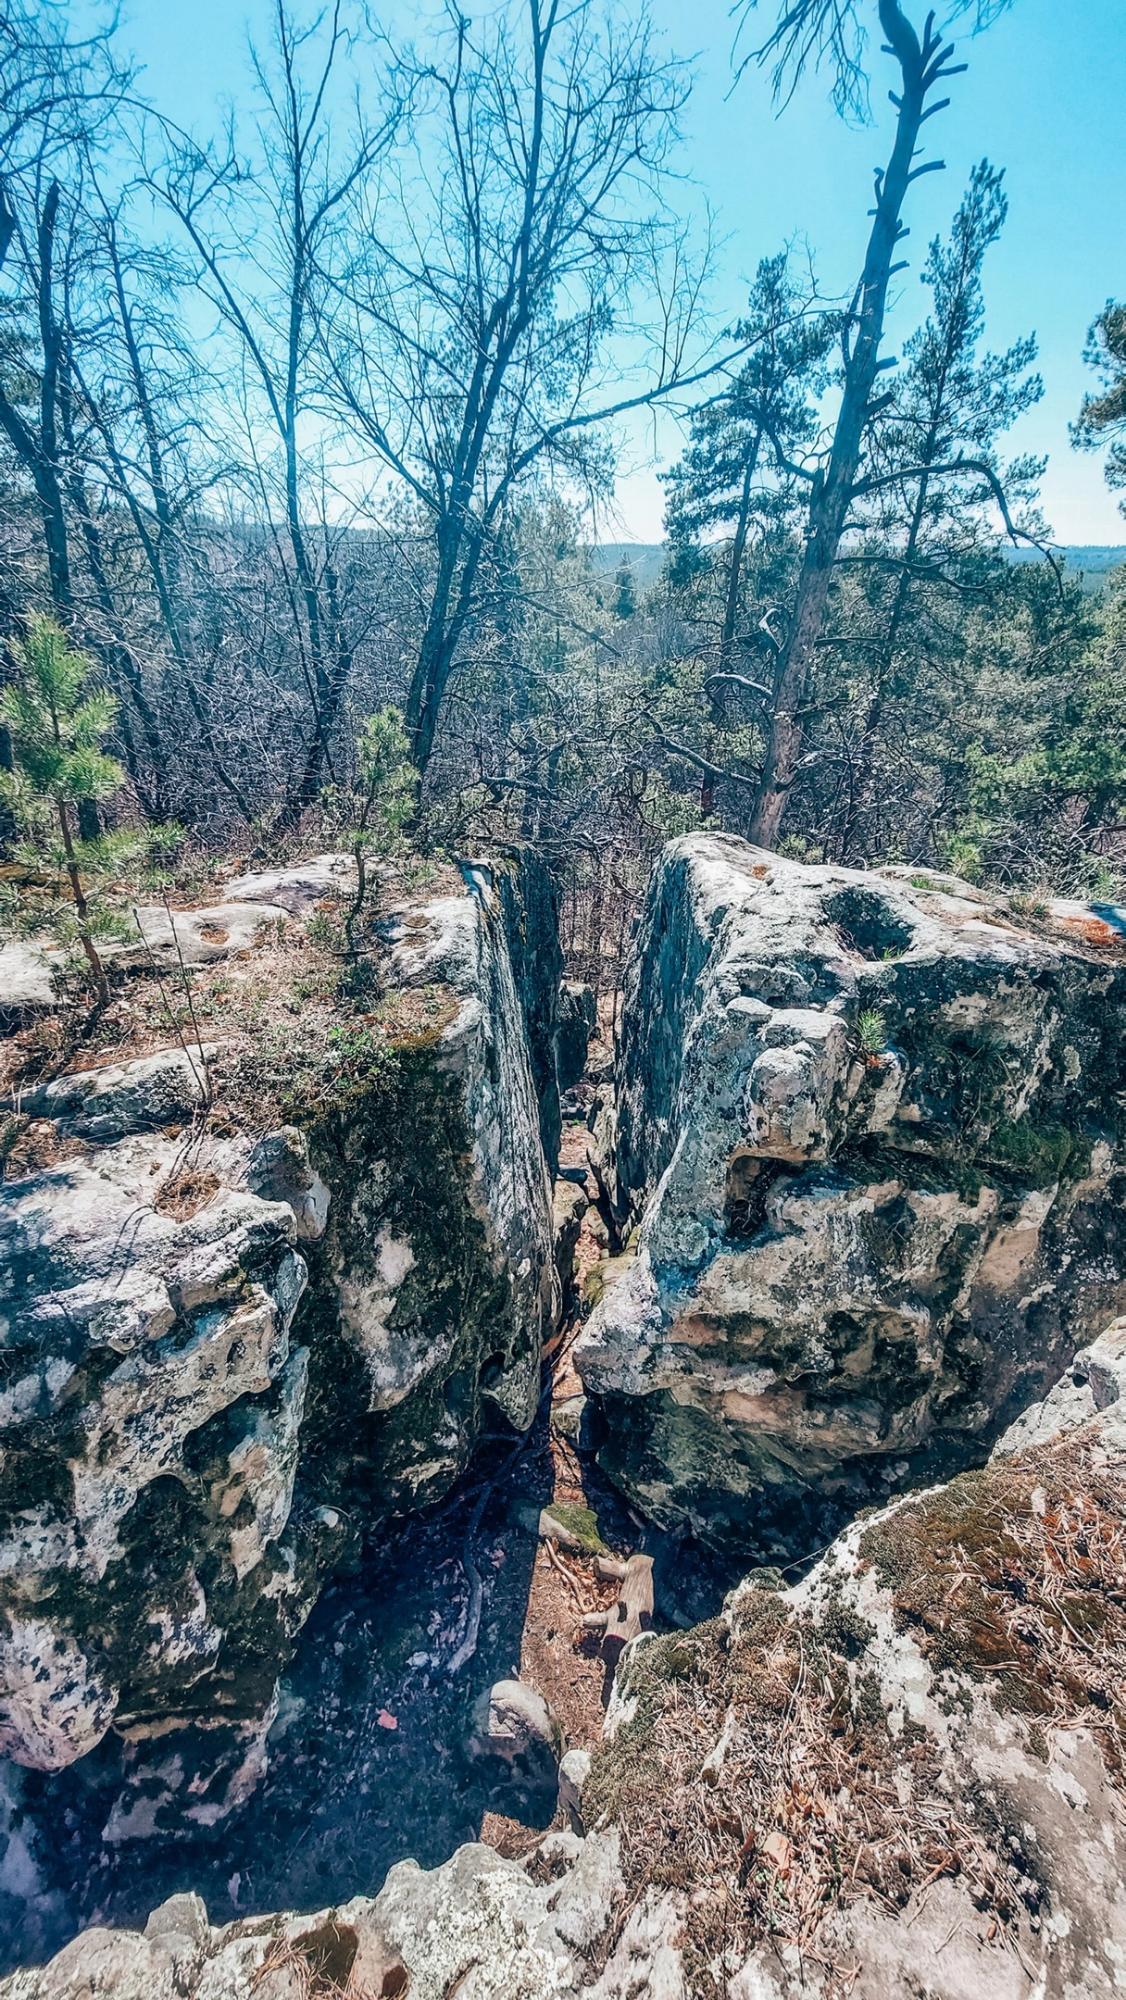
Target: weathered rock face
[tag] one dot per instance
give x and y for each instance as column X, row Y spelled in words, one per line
column 227, row 1352
column 910, row 1762
column 578, row 1021
column 869, row 1129
column 902, row 1775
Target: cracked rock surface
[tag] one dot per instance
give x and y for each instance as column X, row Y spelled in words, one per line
column 867, row 1139
column 214, row 1379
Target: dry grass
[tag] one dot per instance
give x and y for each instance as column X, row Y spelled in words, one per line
column 290, row 1028
column 1017, row 1575
column 294, row 972
column 759, row 1774
column 186, row 1191
column 328, row 1962
column 28, row 1145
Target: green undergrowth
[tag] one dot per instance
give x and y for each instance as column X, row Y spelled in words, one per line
column 326, row 1067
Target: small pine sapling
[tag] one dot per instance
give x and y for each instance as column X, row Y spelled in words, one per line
column 871, row 1031
column 58, row 720
column 386, row 793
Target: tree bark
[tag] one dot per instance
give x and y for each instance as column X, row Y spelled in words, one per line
column 921, row 64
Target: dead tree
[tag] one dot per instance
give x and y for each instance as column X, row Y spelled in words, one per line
column 924, row 62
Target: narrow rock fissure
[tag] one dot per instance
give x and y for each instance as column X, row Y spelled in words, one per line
column 369, row 1757
column 797, row 1284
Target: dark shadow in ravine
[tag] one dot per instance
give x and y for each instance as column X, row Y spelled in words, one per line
column 368, row 1759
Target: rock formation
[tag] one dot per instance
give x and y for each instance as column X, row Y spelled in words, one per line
column 578, row 1022
column 901, row 1775
column 868, row 1149
column 230, row 1350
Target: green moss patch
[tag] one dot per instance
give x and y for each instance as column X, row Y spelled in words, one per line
column 580, row 1522
column 1038, row 1153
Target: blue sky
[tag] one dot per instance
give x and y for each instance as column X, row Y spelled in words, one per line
column 1043, row 97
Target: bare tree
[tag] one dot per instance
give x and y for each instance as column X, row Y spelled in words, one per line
column 470, row 340
column 301, row 187
column 807, row 29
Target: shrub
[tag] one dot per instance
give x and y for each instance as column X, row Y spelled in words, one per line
column 59, row 722
column 871, row 1031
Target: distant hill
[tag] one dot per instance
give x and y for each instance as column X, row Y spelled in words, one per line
column 1093, row 562
column 644, row 559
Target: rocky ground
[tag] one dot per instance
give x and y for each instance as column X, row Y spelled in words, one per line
column 891, row 1765
column 901, row 1776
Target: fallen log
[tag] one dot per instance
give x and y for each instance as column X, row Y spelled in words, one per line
column 608, row 1569
column 633, row 1612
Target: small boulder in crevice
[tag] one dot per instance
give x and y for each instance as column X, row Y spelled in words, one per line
column 516, row 1734
column 576, row 1027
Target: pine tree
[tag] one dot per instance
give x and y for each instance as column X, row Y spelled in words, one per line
column 625, row 592
column 1102, row 420
column 740, row 440
column 58, row 721
column 386, row 797
column 932, row 538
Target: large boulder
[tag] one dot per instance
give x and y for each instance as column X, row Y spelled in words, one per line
column 229, row 1348
column 905, row 1770
column 868, row 1138
column 578, row 1023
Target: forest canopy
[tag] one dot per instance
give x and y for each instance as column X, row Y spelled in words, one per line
column 305, row 420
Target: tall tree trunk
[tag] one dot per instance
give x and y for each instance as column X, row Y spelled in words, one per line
column 738, row 551
column 886, row 661
column 921, row 64
column 445, row 624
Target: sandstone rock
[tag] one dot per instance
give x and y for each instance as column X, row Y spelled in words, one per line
column 933, row 1639
column 132, row 1333
column 215, row 1337
column 865, row 1129
column 101, row 1965
column 525, row 892
column 299, row 888
column 1095, row 1380
column 451, row 1182
column 569, row 1206
column 578, row 1021
column 27, row 983
column 574, row 1770
column 478, row 1926
column 195, row 937
column 121, row 1098
column 570, row 1419
column 513, row 1723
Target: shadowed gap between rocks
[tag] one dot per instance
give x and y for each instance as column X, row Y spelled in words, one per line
column 368, row 1757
